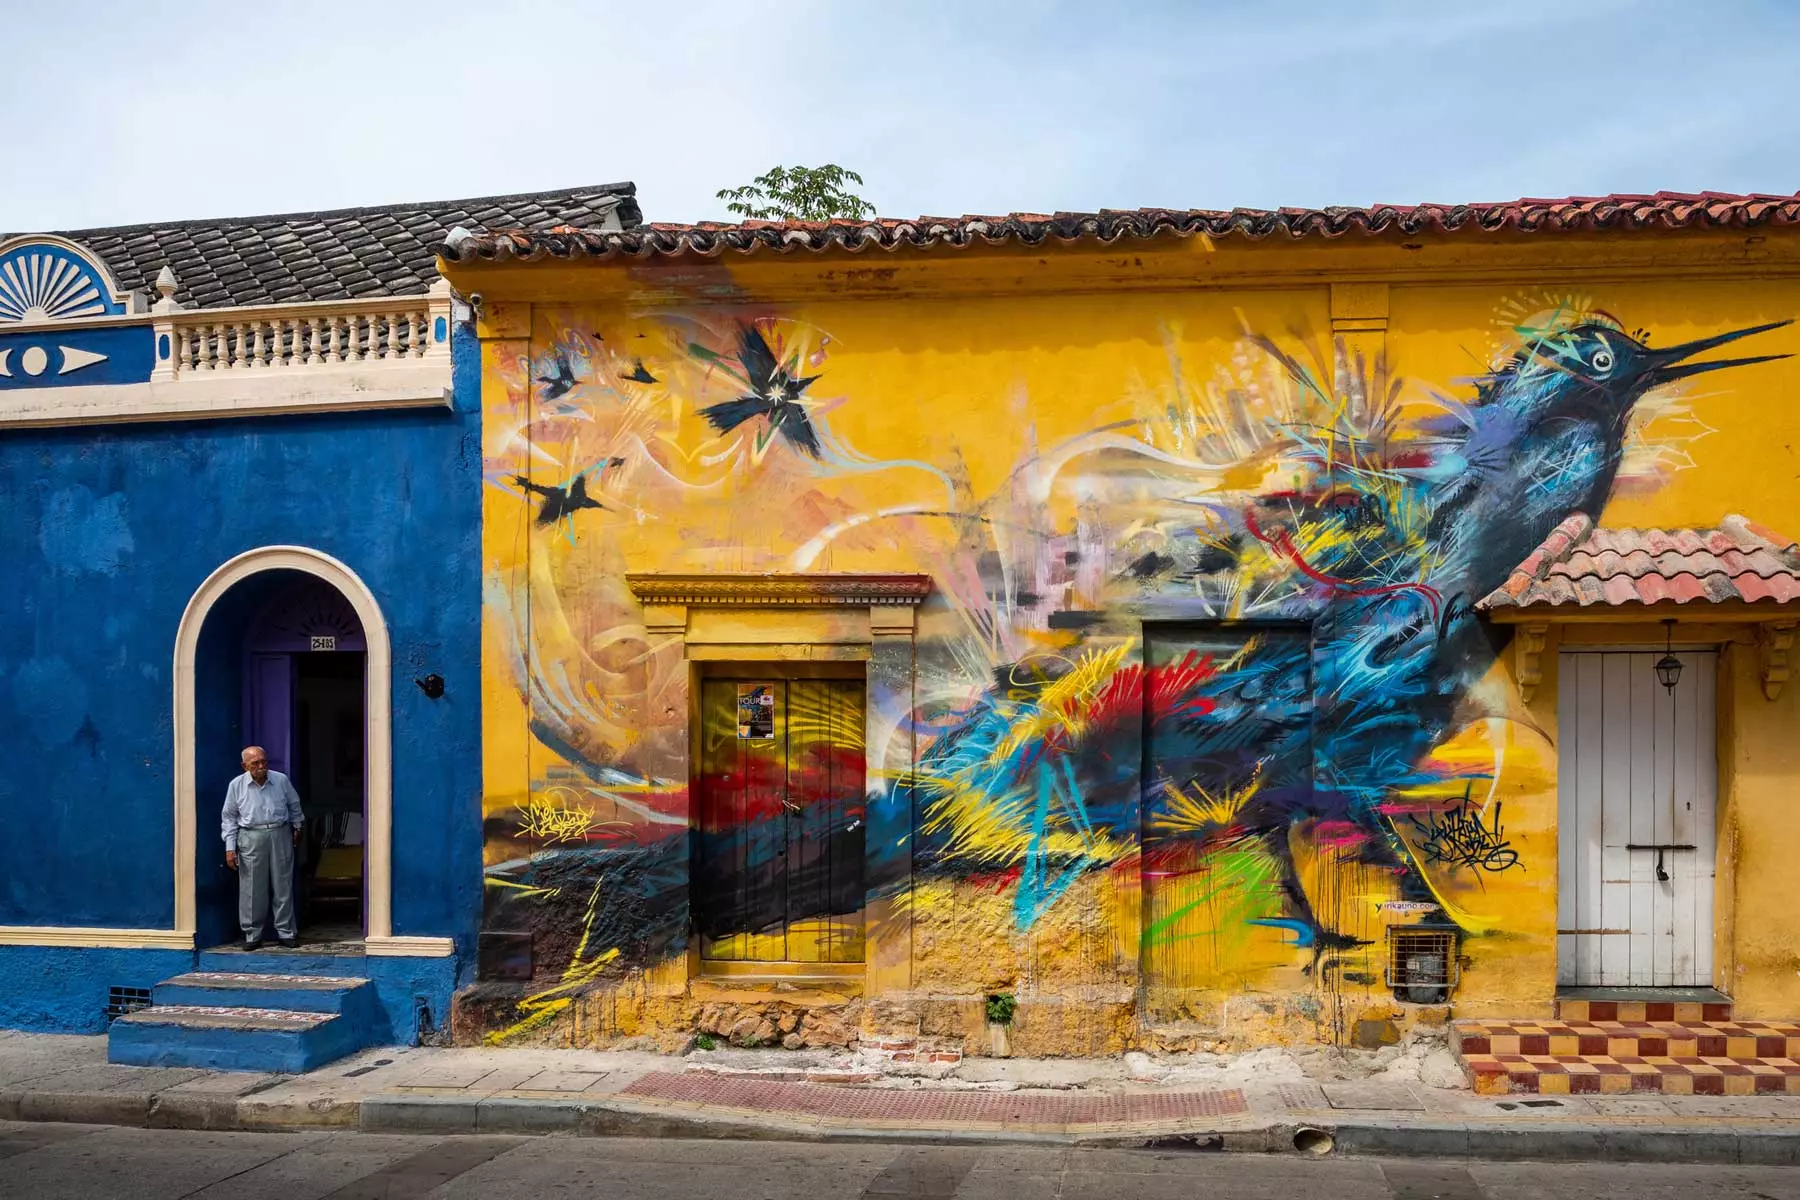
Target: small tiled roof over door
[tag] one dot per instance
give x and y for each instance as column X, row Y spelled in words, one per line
column 1581, row 566
column 341, row 254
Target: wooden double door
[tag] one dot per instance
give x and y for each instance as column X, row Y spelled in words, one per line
column 778, row 858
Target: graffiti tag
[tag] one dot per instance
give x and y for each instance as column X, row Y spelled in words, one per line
column 553, row 820
column 1462, row 838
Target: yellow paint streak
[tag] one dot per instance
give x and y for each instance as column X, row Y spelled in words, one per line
column 1059, row 704
column 542, row 1007
column 1196, row 810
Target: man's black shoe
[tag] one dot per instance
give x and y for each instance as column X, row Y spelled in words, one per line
column 253, row 944
column 290, row 943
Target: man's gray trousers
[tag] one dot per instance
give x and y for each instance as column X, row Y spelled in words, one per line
column 265, row 864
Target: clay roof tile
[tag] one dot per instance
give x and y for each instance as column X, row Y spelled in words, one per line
column 1583, row 566
column 1573, row 214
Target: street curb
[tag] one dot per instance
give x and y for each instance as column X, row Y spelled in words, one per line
column 1757, row 1144
column 1747, row 1142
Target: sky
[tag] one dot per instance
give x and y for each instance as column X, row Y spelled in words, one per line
column 128, row 112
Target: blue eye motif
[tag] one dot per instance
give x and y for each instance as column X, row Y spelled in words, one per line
column 35, row 360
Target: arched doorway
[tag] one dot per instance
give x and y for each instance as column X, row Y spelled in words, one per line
column 304, row 702
column 286, row 648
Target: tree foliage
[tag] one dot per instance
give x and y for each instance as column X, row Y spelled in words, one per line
column 799, row 194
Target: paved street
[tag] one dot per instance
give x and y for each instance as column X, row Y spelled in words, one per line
column 45, row 1161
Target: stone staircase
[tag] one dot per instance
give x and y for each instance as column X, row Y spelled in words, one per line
column 1620, row 1046
column 242, row 1012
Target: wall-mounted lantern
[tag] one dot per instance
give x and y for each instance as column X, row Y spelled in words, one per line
column 1668, row 667
column 433, row 685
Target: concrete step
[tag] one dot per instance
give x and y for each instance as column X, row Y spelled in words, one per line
column 344, row 994
column 1562, row 1057
column 272, row 960
column 231, row 1039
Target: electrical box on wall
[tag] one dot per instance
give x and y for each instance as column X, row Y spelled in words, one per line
column 1422, row 963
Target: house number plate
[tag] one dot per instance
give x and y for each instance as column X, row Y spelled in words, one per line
column 324, row 643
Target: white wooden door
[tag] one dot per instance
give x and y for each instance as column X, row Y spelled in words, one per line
column 1637, row 783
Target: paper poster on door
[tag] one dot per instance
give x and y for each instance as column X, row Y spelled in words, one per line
column 756, row 712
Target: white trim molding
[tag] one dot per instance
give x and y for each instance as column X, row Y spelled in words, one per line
column 409, row 947
column 342, row 390
column 378, row 729
column 91, row 937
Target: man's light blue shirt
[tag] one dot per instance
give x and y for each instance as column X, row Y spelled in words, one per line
column 250, row 803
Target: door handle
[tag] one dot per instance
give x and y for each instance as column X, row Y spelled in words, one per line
column 1662, row 876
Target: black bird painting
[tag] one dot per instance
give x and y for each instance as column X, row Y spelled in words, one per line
column 639, row 374
column 560, row 502
column 561, row 379
column 775, row 390
column 1337, row 724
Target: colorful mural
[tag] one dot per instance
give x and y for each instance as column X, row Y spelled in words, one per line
column 1201, row 702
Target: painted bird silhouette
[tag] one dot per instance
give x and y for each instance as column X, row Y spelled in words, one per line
column 775, row 390
column 561, row 379
column 1316, row 733
column 640, row 374
column 560, row 502
column 1394, row 658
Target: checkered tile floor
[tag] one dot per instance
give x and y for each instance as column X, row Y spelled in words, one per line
column 1564, row 1056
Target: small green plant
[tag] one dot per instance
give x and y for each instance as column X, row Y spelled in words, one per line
column 705, row 1041
column 1000, row 1008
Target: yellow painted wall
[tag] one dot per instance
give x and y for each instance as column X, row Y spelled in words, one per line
column 1061, row 433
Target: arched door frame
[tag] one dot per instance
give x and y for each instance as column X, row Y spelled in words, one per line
column 378, row 726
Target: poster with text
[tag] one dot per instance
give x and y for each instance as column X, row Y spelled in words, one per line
column 756, row 712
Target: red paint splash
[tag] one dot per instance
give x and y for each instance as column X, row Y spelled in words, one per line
column 995, row 881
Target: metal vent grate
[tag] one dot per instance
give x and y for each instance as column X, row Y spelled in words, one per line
column 1422, row 965
column 122, row 1000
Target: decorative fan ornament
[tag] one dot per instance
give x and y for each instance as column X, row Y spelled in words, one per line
column 45, row 283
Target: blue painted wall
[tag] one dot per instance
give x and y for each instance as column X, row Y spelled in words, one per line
column 106, row 532
column 62, row 989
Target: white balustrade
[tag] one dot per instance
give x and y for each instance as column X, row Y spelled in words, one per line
column 382, row 331
column 365, row 338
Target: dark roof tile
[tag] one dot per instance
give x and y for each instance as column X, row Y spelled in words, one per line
column 387, row 250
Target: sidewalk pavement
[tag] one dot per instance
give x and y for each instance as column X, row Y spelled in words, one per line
column 797, row 1096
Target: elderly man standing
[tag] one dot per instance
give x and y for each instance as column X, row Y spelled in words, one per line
column 261, row 808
